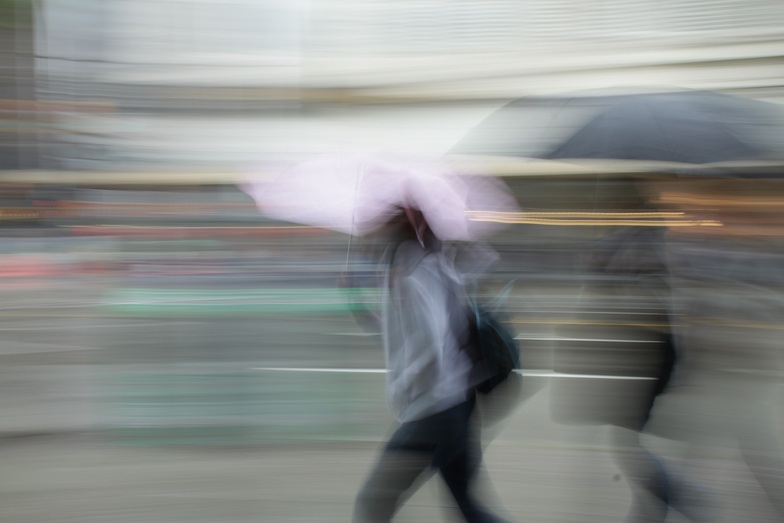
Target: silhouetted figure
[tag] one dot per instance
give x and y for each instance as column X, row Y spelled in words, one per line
column 429, row 387
column 727, row 286
column 628, row 274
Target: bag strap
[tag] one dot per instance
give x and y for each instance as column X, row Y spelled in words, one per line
column 496, row 303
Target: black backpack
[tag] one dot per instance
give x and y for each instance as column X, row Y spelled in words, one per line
column 491, row 346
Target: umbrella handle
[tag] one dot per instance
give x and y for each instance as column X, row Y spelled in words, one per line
column 418, row 223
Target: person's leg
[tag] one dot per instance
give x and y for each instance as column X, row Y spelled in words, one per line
column 651, row 484
column 405, row 457
column 458, row 458
column 393, row 475
column 646, row 477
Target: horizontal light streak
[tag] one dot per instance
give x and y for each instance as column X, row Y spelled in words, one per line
column 190, row 227
column 589, row 340
column 536, row 373
column 721, row 202
column 581, row 214
column 326, row 370
column 582, row 218
column 635, row 223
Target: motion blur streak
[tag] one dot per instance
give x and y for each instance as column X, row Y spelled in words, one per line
column 143, row 290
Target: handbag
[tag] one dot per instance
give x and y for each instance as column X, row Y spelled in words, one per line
column 492, row 346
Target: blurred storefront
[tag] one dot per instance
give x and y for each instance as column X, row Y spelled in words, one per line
column 144, row 113
column 156, row 83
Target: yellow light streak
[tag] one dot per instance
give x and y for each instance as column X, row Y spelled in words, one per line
column 578, row 214
column 583, row 218
column 721, row 202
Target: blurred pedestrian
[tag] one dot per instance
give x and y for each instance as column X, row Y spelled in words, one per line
column 729, row 295
column 424, row 326
column 637, row 256
column 628, row 270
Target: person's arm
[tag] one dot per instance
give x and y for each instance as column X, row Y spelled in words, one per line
column 420, row 335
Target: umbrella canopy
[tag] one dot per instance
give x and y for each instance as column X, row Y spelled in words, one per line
column 689, row 127
column 357, row 193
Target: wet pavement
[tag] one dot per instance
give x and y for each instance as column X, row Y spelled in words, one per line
column 540, row 473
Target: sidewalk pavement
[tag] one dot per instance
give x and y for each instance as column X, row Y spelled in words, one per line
column 540, row 473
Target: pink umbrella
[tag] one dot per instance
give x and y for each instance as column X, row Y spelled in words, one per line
column 357, row 193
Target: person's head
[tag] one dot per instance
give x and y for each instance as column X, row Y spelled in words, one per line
column 410, row 224
column 404, row 224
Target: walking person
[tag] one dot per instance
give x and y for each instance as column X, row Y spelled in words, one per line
column 415, row 203
column 429, row 388
column 727, row 285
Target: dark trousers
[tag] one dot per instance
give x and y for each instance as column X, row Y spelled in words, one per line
column 444, row 442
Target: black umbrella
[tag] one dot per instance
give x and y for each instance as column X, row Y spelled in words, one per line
column 687, row 127
column 691, row 127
